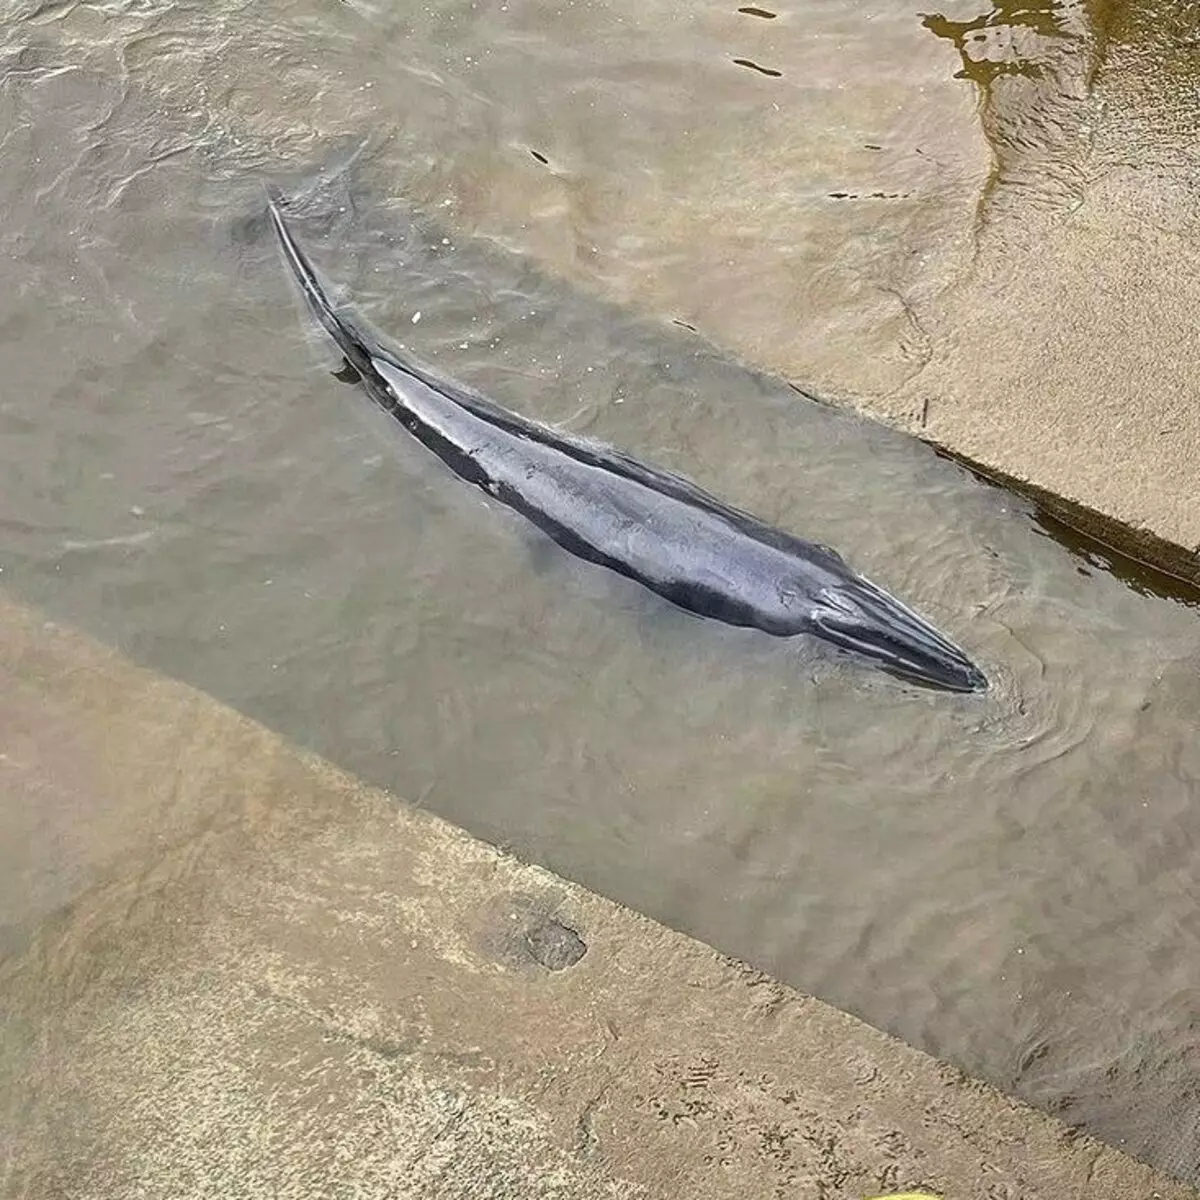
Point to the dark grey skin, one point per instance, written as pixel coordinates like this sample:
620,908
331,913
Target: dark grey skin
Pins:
651,526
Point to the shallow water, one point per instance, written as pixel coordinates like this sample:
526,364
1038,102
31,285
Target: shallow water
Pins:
1006,881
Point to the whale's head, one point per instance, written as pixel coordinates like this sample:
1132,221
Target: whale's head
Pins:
857,615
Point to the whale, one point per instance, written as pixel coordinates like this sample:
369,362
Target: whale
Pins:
611,509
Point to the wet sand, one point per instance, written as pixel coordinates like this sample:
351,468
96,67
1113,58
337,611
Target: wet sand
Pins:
264,979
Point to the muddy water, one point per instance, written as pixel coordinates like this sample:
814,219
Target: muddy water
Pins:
530,197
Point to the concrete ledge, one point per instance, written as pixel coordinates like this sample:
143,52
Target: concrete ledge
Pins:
269,980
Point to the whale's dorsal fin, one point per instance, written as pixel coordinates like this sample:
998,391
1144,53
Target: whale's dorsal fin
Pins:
347,372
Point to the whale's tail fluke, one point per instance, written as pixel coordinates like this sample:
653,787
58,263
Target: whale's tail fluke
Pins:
355,345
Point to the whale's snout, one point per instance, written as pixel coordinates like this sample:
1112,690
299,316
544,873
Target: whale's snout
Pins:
859,616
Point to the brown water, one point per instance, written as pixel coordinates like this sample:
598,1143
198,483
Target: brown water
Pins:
1005,881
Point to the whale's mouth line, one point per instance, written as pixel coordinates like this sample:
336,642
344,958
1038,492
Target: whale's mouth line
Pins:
950,672
870,622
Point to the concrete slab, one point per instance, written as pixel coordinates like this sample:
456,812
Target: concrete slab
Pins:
1062,362
240,973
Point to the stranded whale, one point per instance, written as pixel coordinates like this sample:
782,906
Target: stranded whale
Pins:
651,526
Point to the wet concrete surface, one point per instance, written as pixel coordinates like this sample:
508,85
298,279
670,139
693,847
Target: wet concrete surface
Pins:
1062,358
268,980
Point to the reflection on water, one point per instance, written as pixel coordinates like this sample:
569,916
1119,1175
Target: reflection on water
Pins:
1143,578
1094,551
1004,881
1032,63
996,43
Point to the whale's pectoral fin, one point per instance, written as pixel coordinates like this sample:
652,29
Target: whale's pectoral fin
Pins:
347,372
